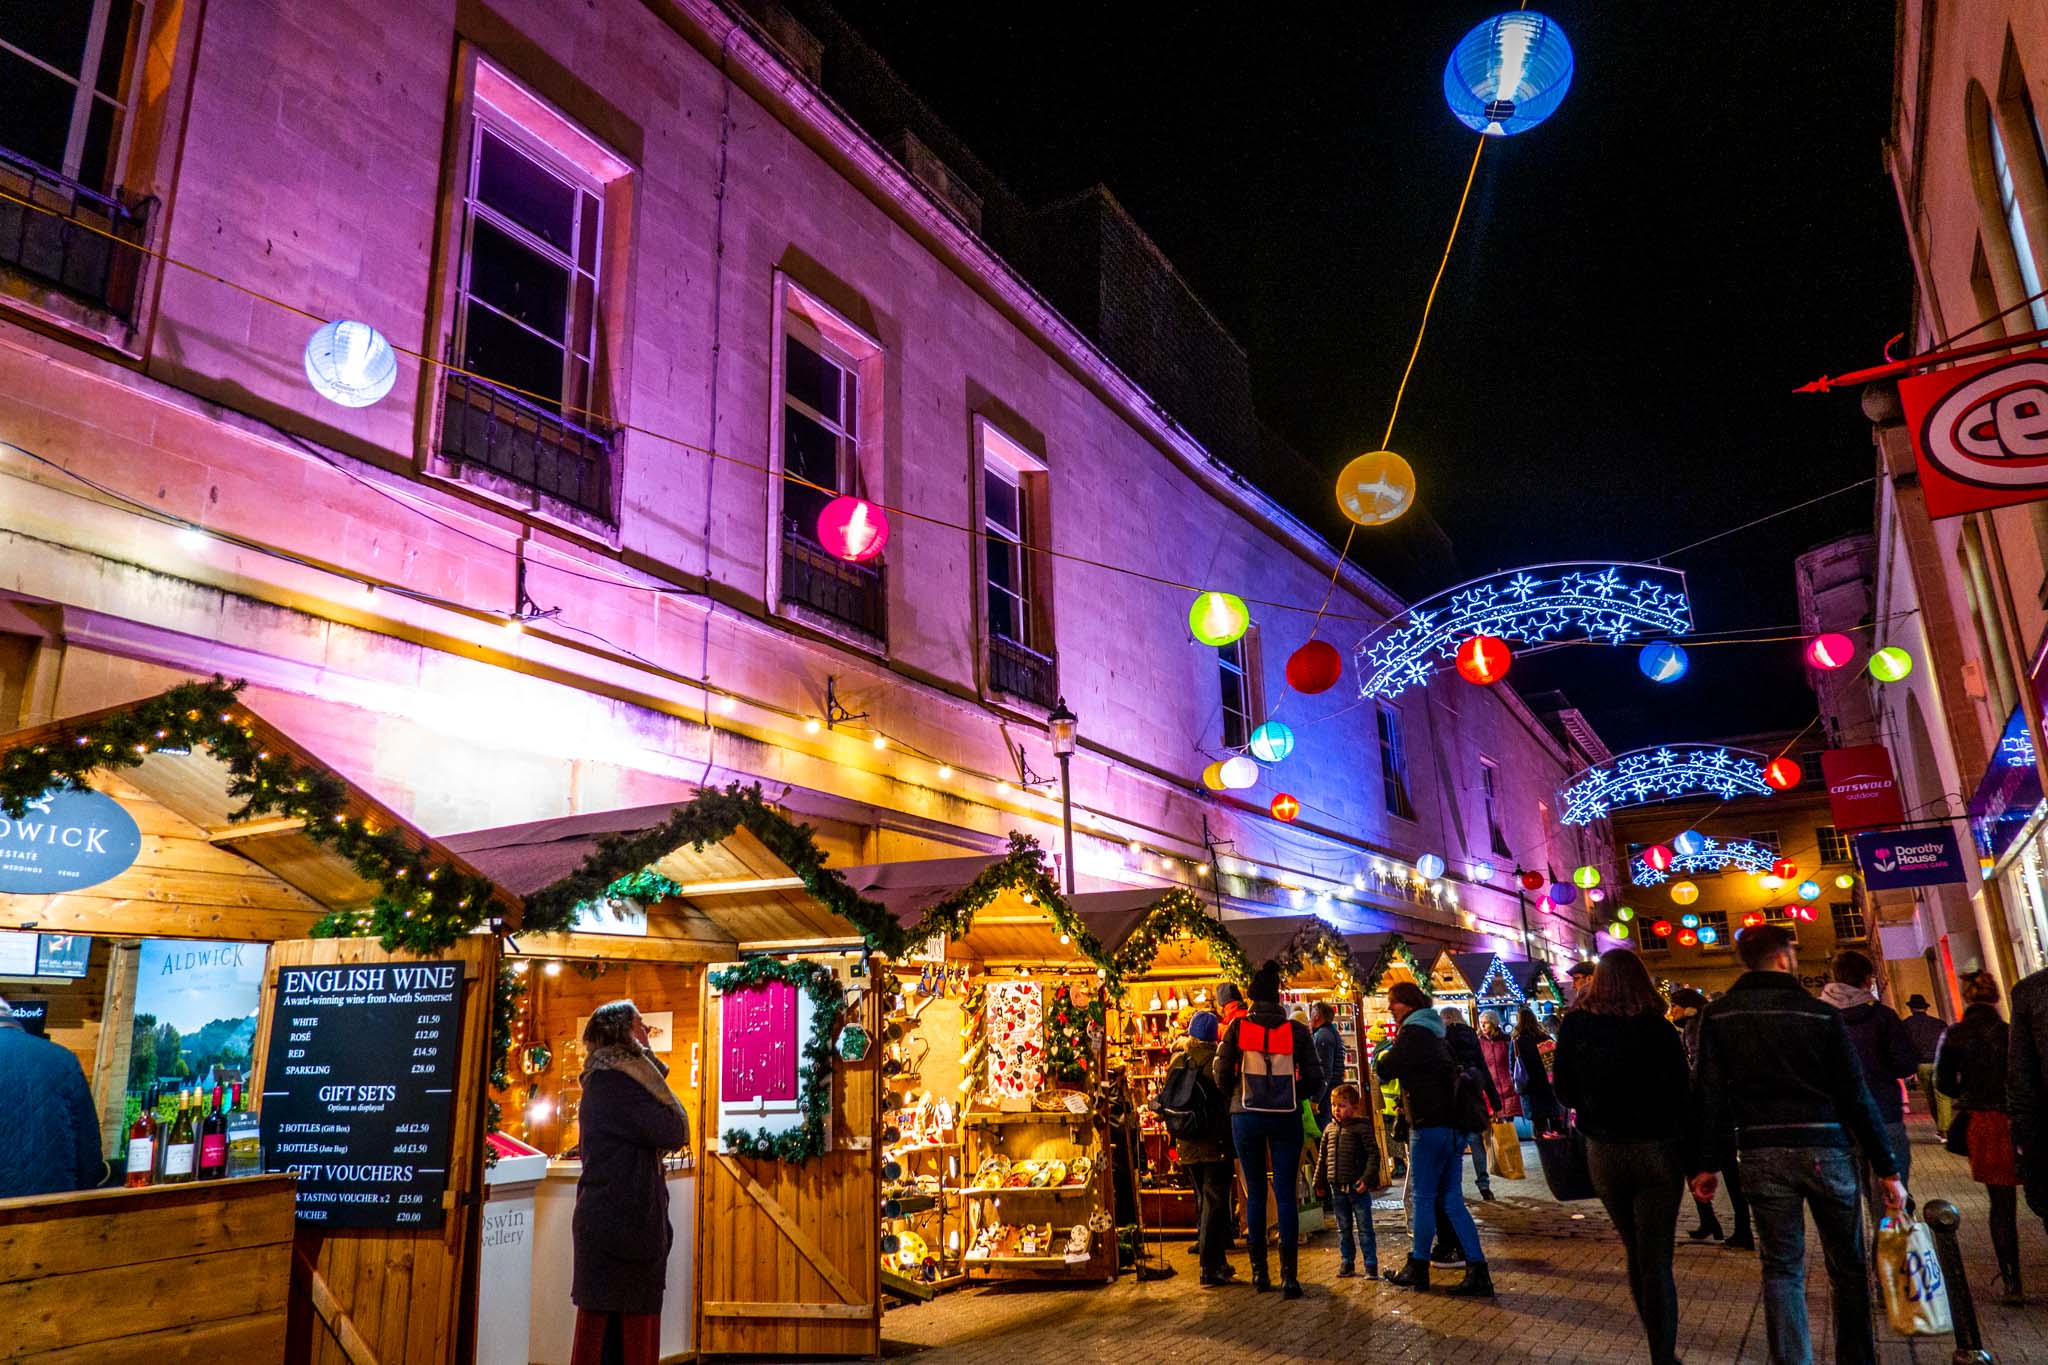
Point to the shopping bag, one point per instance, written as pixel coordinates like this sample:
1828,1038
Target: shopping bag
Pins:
1504,1151
1563,1153
1915,1295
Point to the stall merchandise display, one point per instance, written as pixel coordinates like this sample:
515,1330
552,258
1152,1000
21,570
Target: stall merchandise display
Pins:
1147,1034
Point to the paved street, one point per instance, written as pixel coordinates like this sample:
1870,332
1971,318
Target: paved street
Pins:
1563,1296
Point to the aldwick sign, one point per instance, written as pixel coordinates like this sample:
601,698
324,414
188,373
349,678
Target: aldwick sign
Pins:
1980,433
66,841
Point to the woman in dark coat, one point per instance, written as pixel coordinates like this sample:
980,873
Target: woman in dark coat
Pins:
1264,1056
1532,1077
629,1117
1969,1067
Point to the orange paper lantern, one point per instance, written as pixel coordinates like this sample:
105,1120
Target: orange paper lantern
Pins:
1782,774
1285,807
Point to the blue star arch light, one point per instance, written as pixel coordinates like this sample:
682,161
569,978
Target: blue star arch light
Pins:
1717,856
1663,772
1617,603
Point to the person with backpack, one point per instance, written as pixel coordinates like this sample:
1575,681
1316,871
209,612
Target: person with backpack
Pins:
1445,1105
1266,1064
1190,1107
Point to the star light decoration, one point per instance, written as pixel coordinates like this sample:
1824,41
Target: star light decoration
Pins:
1663,772
1615,603
1716,856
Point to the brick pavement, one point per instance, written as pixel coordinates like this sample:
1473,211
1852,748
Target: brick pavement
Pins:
1563,1297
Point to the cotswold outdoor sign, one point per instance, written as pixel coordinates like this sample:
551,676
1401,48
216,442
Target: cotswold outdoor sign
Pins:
1897,858
1980,433
66,841
1861,789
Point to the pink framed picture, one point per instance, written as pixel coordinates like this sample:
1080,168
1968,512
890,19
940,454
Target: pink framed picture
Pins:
757,1037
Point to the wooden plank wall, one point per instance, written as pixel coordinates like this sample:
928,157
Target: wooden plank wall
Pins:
76,1006
554,1004
747,1258
166,1274
407,1294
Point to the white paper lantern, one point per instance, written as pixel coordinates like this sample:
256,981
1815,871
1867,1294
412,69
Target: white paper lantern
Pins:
350,363
1239,772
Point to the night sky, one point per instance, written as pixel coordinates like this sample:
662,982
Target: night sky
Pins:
1639,283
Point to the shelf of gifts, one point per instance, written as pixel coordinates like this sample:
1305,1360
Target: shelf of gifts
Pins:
997,1120
1000,1191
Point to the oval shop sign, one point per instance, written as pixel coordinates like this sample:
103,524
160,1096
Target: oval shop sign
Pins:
66,841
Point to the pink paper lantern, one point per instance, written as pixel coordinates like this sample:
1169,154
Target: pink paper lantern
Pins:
853,528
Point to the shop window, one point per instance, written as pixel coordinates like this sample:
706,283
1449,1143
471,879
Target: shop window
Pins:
1849,922
1394,765
1489,793
1014,586
1237,685
1834,845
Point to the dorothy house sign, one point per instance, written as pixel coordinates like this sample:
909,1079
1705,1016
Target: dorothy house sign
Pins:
66,841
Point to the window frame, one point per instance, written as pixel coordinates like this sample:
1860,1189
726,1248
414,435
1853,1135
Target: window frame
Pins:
1773,839
1489,796
85,93
1236,660
1033,660
1395,792
1851,910
1844,849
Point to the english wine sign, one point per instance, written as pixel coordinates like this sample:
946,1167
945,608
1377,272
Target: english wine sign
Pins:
66,841
1980,433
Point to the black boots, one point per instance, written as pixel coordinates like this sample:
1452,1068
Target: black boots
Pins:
1290,1287
2009,1291
1255,1248
1414,1275
1710,1223
1478,1283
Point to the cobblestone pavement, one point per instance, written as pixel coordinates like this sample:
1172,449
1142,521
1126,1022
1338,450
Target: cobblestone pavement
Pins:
1563,1297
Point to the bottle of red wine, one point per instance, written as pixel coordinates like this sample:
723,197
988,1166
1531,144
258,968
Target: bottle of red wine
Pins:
142,1144
213,1139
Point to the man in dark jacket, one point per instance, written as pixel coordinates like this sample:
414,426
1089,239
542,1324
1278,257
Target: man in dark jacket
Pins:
1925,1030
1266,1066
2026,1086
1884,1050
49,1130
1463,1040
1329,1054
1777,1070
1421,1061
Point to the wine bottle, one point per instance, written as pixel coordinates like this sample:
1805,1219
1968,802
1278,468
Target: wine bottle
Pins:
181,1149
245,1136
213,1138
142,1144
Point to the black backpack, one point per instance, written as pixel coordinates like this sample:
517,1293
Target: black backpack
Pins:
1188,1104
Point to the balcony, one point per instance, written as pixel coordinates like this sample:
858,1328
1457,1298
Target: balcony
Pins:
485,427
1022,672
849,594
82,246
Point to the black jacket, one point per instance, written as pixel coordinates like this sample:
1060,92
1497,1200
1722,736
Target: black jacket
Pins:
1776,1065
1539,1098
1308,1072
621,1229
1330,1056
1421,1061
1347,1154
1969,1066
2026,1073
1625,1076
1464,1044
1885,1051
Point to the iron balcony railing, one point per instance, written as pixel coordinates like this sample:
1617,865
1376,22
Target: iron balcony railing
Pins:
76,239
483,425
1021,672
852,594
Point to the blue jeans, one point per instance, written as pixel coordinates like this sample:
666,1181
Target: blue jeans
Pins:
1782,1184
1269,1143
1436,1168
1478,1145
1354,1211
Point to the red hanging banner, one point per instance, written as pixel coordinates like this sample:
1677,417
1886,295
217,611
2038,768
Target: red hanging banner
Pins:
1980,433
1862,792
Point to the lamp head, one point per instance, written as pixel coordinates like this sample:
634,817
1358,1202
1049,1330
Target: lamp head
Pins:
1066,728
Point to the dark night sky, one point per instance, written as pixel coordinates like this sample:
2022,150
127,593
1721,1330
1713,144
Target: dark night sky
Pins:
1639,284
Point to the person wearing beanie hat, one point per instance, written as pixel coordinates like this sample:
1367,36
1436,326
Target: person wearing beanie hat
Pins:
1205,1155
1230,1003
1266,1063
1203,1026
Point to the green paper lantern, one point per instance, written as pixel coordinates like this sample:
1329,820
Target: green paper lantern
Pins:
1218,618
1890,664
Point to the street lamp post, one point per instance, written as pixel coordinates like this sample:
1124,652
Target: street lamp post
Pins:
1065,730
1522,902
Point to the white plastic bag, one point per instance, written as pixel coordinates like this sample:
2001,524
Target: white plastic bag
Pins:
1915,1294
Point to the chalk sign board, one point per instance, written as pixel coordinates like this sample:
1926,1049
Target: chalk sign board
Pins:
359,1090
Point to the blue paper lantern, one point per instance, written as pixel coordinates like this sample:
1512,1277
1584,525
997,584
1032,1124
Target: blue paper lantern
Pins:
1662,661
1430,865
350,363
1689,921
1509,73
1689,843
1563,893
1709,934
1272,742
1809,891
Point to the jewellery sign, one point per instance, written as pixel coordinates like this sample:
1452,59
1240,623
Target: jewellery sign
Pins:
66,841
1980,433
1862,793
1893,859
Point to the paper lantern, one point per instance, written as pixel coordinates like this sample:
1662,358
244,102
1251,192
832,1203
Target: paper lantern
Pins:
1532,881
1617,930
1623,912
1375,488
1688,939
1315,667
1430,866
1685,893
1890,664
853,528
1586,877
1285,807
1662,928
350,363
1662,661
1212,776
1509,73
1800,912
1484,660
1785,868
1689,921
1845,881
1271,742
1482,871
1831,651
1770,881
1709,934
1657,857
1688,843
1752,919
1239,772
1809,890
1545,905
1563,893
1595,896
1782,774
1218,618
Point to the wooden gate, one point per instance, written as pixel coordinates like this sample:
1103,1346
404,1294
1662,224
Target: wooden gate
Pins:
788,1261
379,1296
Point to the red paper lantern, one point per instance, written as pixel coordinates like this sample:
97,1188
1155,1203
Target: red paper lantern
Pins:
1285,807
1830,651
1785,868
1484,660
1800,912
1687,938
1532,881
1752,919
1315,667
1782,774
1662,928
853,528
1657,857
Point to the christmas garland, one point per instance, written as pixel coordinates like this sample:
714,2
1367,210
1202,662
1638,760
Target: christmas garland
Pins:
1068,1049
423,903
1394,951
1318,942
1179,912
814,1091
504,1003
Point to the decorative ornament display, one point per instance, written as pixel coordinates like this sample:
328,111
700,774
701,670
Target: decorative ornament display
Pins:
1809,890
1315,667
1484,660
1563,893
1271,742
1509,73
1844,881
1218,618
1375,488
1709,934
1663,772
1688,938
1616,603
350,363
814,1086
853,1043
1784,867
1586,877
1238,773
1532,881
1662,928
1624,913
1684,893
1068,1048
505,1008
853,529
1657,857
1689,843
1689,921
1430,865
1890,664
1015,1026
1712,855
1831,651
1782,774
1663,662
1285,807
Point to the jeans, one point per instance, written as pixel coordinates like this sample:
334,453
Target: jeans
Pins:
1212,1211
1902,1152
1354,1227
1269,1142
1478,1143
1641,1185
1435,1167
1782,1184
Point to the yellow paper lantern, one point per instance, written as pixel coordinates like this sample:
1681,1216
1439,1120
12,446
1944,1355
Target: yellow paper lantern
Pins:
1218,618
1685,893
1212,776
1375,488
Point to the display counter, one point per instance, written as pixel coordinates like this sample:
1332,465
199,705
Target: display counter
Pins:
554,1261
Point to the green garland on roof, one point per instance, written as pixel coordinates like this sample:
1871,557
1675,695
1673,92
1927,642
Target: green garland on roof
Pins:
1317,942
423,904
504,1004
1395,950
1178,912
814,1086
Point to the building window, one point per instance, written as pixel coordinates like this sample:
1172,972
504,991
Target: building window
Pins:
1652,943
1849,925
1394,765
1717,920
820,427
1234,681
1014,587
69,68
1489,792
1768,838
2016,222
1834,845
